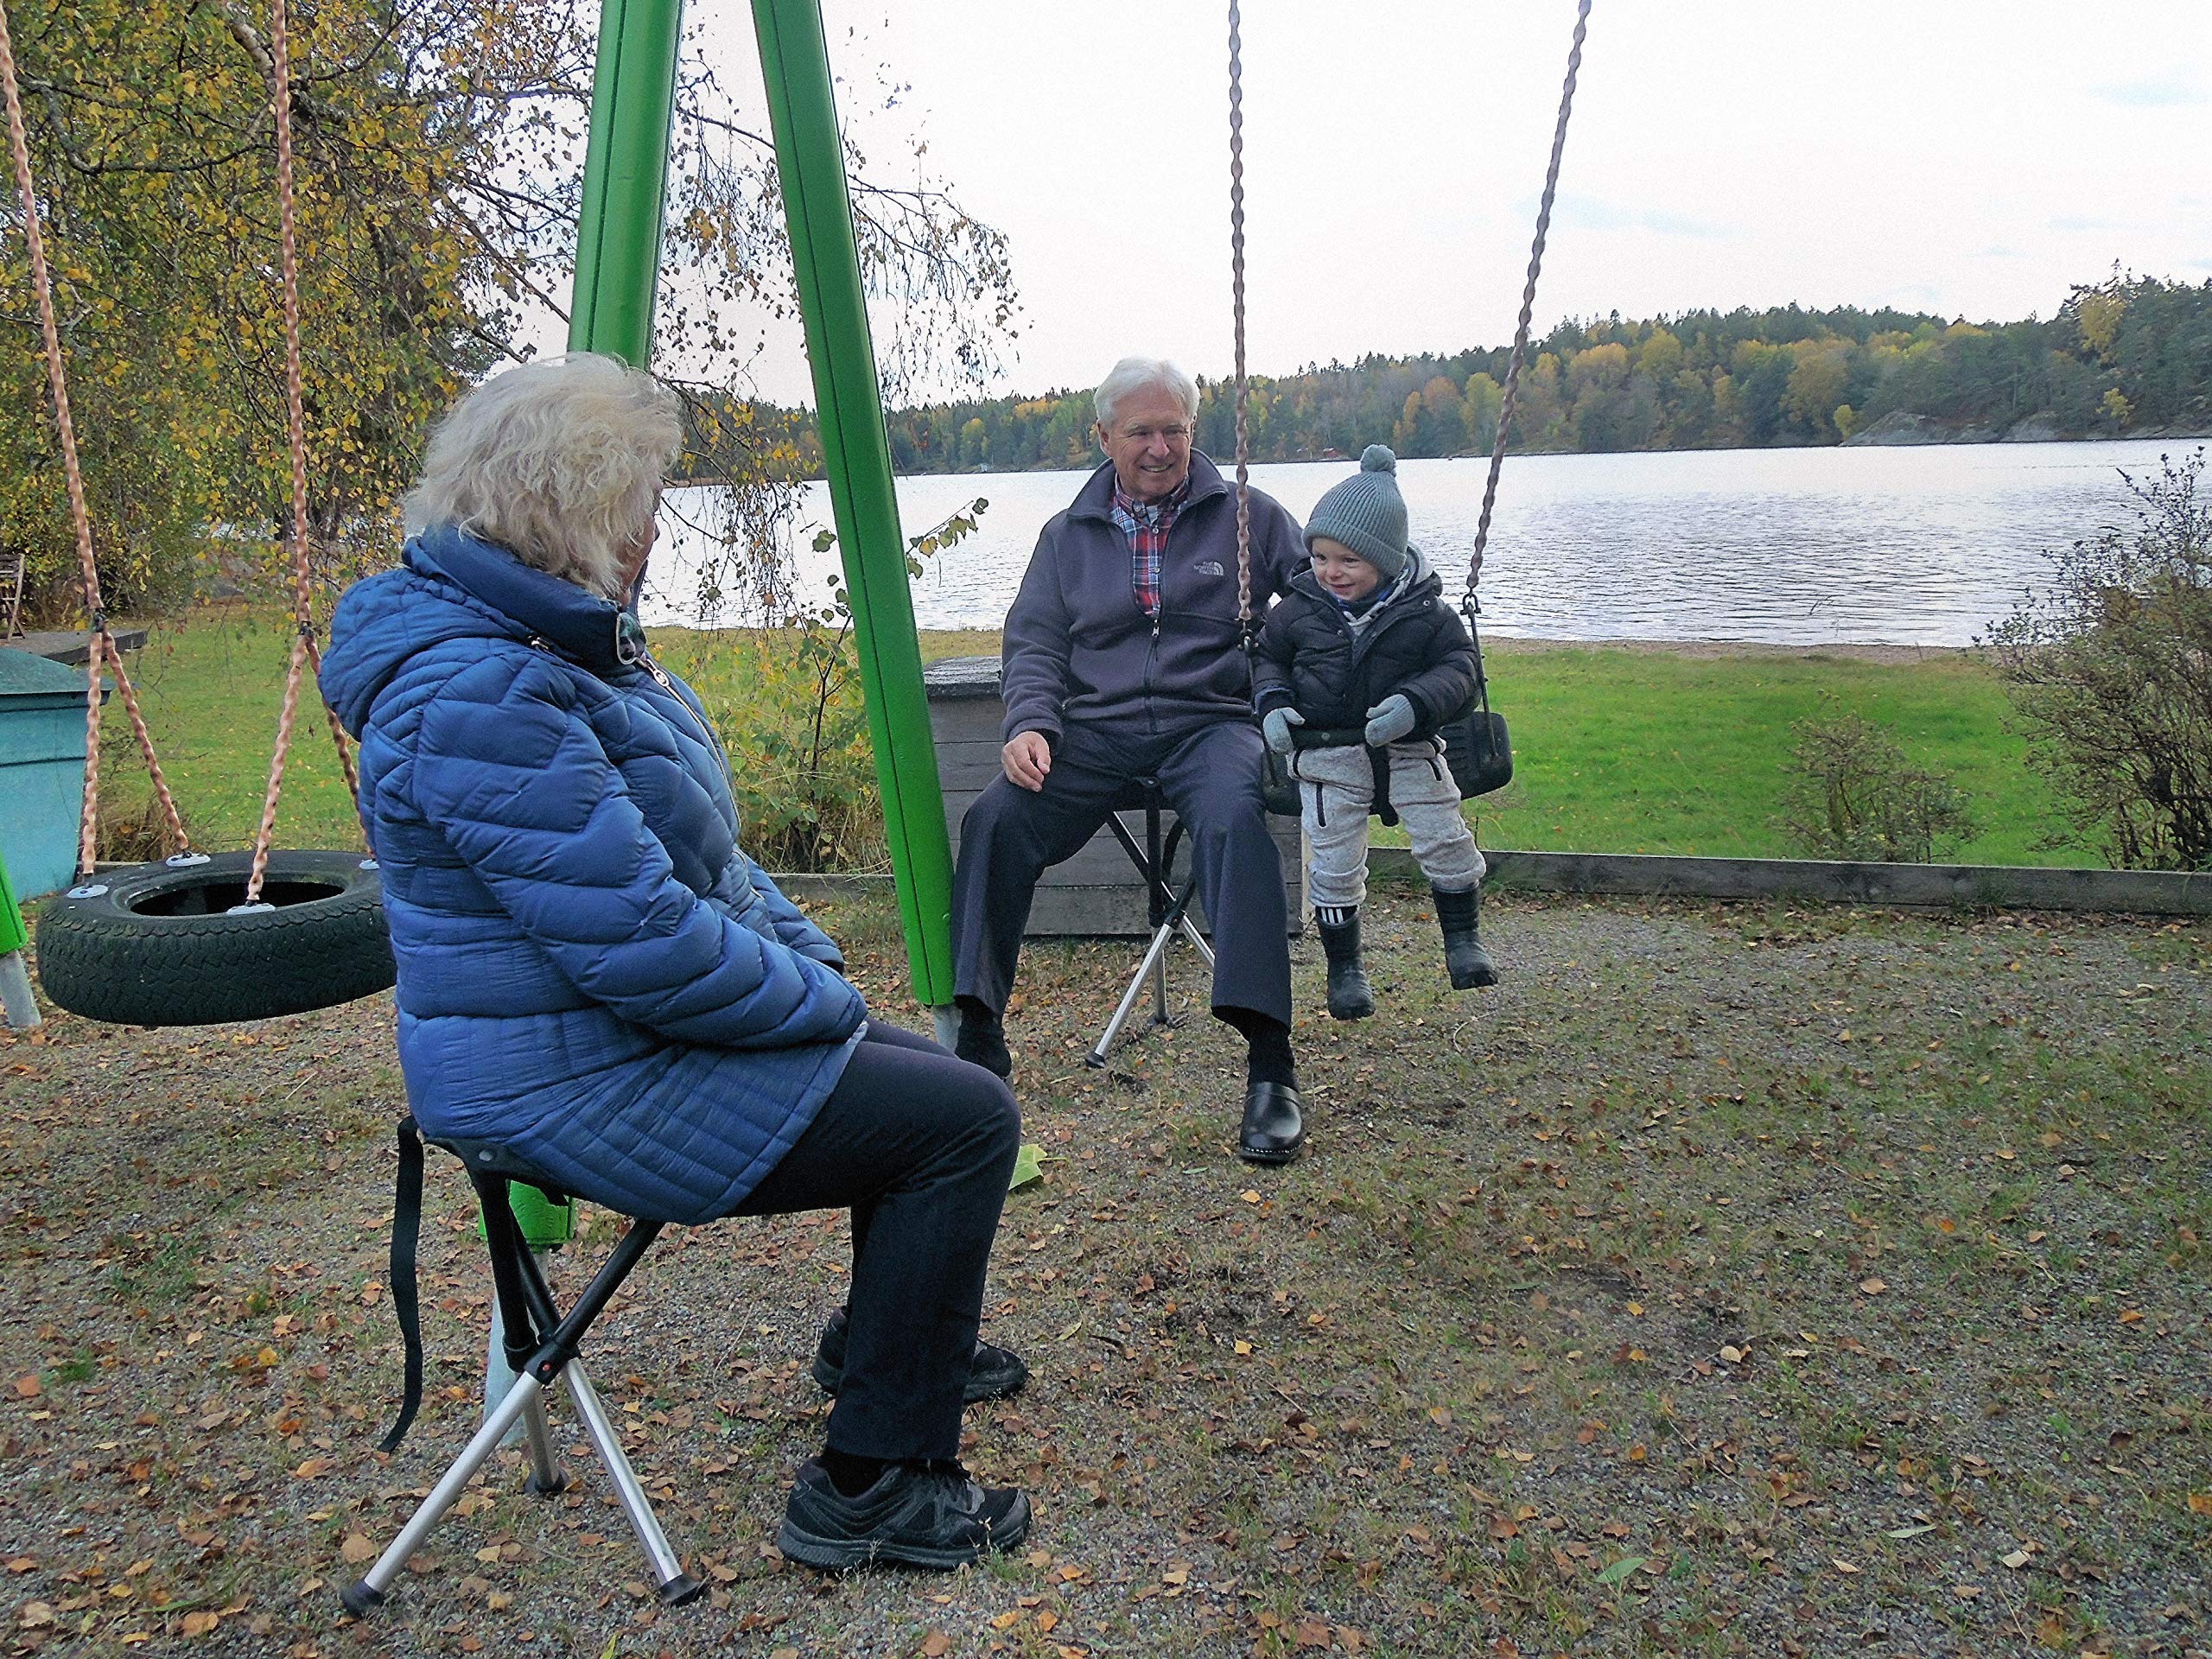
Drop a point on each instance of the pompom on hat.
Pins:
(1366, 513)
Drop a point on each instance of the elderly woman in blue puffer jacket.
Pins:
(592, 973)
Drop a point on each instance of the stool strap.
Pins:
(406, 1232)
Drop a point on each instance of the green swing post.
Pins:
(17, 1005)
(848, 404)
(625, 180)
(617, 261)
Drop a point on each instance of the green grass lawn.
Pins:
(1638, 752)
(1618, 751)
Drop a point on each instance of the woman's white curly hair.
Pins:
(559, 461)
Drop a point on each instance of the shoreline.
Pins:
(966, 642)
(972, 641)
(1705, 650)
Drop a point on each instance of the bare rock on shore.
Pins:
(1902, 426)
(2039, 428)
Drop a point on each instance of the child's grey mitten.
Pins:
(1390, 719)
(1276, 727)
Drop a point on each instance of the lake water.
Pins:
(1922, 545)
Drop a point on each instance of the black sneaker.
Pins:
(917, 1515)
(993, 1374)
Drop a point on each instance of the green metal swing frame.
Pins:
(618, 259)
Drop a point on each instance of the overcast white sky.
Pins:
(1969, 157)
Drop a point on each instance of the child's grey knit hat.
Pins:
(1366, 513)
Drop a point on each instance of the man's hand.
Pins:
(1390, 719)
(1027, 759)
(1276, 728)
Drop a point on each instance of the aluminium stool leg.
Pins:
(547, 1477)
(371, 1589)
(1153, 956)
(671, 1582)
(1157, 872)
(1164, 910)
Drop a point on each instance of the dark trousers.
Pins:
(1210, 774)
(919, 1146)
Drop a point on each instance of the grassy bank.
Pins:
(1618, 750)
(1641, 751)
(1730, 1280)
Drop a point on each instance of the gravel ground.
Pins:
(1731, 1280)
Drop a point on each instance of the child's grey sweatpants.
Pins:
(1336, 788)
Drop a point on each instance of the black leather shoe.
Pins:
(1274, 1130)
(916, 1515)
(993, 1374)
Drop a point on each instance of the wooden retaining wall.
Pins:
(1981, 886)
(1977, 886)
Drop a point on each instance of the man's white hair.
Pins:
(558, 461)
(1143, 374)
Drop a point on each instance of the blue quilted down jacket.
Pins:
(591, 971)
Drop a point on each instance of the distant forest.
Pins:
(2129, 356)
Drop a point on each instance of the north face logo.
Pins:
(1208, 568)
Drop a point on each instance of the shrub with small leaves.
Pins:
(787, 705)
(1852, 794)
(2110, 672)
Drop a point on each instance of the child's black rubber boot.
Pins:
(1465, 959)
(1349, 995)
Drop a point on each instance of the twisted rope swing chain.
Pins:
(1528, 301)
(1236, 306)
(101, 642)
(303, 644)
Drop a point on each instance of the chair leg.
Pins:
(672, 1583)
(371, 1589)
(526, 1302)
(1153, 954)
(547, 1477)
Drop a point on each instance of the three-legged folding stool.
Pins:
(542, 1345)
(1166, 908)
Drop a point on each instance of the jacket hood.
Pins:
(1418, 584)
(451, 586)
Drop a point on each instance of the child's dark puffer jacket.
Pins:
(1310, 659)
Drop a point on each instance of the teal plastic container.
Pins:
(42, 769)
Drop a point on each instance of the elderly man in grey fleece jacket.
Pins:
(1123, 659)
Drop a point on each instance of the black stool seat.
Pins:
(542, 1344)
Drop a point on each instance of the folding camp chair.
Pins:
(542, 1344)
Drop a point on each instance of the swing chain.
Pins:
(304, 644)
(1245, 621)
(1527, 307)
(100, 644)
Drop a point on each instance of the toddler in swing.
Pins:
(1357, 665)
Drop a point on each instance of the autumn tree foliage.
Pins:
(2120, 358)
(438, 153)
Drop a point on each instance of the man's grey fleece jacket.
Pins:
(1079, 646)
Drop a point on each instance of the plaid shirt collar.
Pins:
(1146, 526)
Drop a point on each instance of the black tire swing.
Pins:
(195, 938)
(1476, 748)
